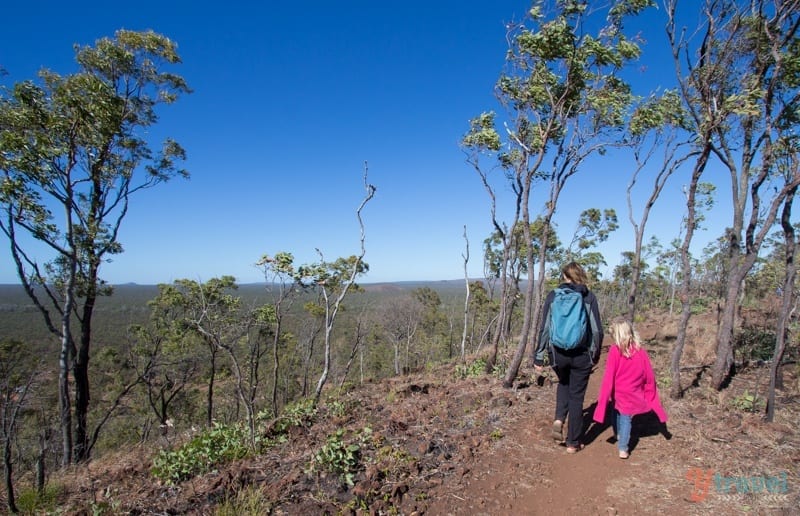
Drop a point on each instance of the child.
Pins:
(630, 382)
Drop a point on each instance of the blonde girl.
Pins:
(630, 382)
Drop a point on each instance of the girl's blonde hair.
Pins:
(625, 337)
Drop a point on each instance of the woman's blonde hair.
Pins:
(625, 337)
(575, 273)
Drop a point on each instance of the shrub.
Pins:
(748, 402)
(214, 446)
(30, 501)
(473, 370)
(298, 414)
(339, 457)
(753, 343)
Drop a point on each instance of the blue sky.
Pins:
(290, 100)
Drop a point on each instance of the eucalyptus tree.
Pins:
(594, 226)
(72, 154)
(565, 102)
(500, 248)
(333, 281)
(19, 373)
(505, 255)
(501, 261)
(698, 199)
(789, 294)
(655, 127)
(400, 318)
(742, 80)
(279, 274)
(211, 313)
(163, 361)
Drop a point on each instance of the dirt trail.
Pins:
(527, 473)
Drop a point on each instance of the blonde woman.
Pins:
(630, 382)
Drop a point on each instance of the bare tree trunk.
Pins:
(513, 367)
(276, 362)
(81, 372)
(357, 345)
(41, 472)
(7, 469)
(676, 390)
(210, 391)
(787, 305)
(64, 397)
(466, 297)
(331, 310)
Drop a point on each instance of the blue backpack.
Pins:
(568, 320)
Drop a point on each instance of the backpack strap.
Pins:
(595, 329)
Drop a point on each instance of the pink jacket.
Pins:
(630, 382)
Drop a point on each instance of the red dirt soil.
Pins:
(447, 446)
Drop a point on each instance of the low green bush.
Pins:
(217, 445)
(340, 457)
(473, 370)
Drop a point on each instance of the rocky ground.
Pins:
(437, 444)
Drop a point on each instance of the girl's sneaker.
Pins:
(623, 454)
(557, 434)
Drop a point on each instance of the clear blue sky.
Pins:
(290, 100)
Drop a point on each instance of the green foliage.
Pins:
(30, 501)
(298, 414)
(101, 508)
(664, 380)
(499, 369)
(482, 134)
(214, 446)
(496, 434)
(336, 408)
(754, 343)
(699, 304)
(340, 457)
(748, 402)
(473, 370)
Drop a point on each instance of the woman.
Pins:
(572, 366)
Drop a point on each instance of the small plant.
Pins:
(299, 414)
(496, 434)
(499, 370)
(339, 457)
(246, 502)
(664, 380)
(101, 508)
(336, 409)
(219, 444)
(30, 501)
(748, 402)
(473, 370)
(357, 505)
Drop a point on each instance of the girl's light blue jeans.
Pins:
(623, 430)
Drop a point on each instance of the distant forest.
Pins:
(21, 320)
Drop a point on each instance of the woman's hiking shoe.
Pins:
(575, 449)
(557, 428)
(623, 454)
